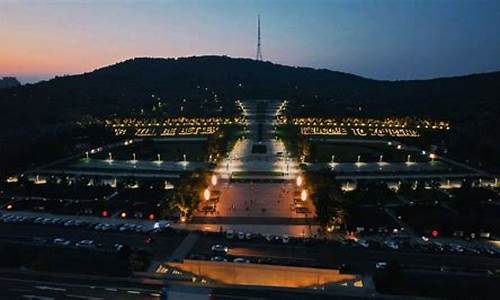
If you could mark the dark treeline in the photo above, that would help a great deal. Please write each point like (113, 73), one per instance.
(209, 85)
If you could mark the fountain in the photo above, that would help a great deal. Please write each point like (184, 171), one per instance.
(110, 156)
(408, 159)
(184, 157)
(333, 158)
(134, 157)
(359, 159)
(87, 154)
(380, 159)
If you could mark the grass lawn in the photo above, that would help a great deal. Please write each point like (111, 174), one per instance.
(168, 150)
(368, 152)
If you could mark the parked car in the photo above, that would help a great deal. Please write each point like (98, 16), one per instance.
(86, 244)
(381, 265)
(220, 248)
(285, 239)
(229, 234)
(455, 248)
(218, 258)
(61, 242)
(392, 244)
(241, 260)
(363, 243)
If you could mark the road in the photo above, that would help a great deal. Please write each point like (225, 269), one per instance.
(22, 285)
(333, 255)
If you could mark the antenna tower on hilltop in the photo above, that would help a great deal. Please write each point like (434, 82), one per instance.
(259, 50)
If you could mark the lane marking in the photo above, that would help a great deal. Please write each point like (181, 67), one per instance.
(134, 292)
(67, 284)
(20, 290)
(83, 297)
(111, 289)
(51, 288)
(37, 297)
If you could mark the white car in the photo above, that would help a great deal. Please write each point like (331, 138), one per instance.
(392, 244)
(381, 265)
(285, 239)
(61, 241)
(218, 258)
(85, 244)
(219, 248)
(241, 260)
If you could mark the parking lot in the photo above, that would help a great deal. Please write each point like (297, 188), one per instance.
(158, 240)
(351, 255)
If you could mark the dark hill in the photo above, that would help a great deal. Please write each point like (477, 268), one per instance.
(31, 110)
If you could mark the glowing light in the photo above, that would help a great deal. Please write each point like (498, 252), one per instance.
(299, 181)
(206, 194)
(303, 195)
(432, 156)
(434, 233)
(151, 217)
(9, 207)
(123, 215)
(104, 213)
(213, 180)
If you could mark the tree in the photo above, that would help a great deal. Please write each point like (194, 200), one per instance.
(188, 191)
(327, 197)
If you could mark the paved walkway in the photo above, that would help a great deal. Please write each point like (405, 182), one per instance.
(246, 204)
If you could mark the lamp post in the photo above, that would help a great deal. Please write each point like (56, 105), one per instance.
(303, 195)
(299, 181)
(206, 194)
(213, 180)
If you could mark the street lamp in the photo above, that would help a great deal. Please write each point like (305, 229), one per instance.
(299, 181)
(206, 194)
(432, 156)
(303, 195)
(213, 180)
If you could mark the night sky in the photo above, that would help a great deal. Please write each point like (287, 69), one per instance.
(377, 39)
